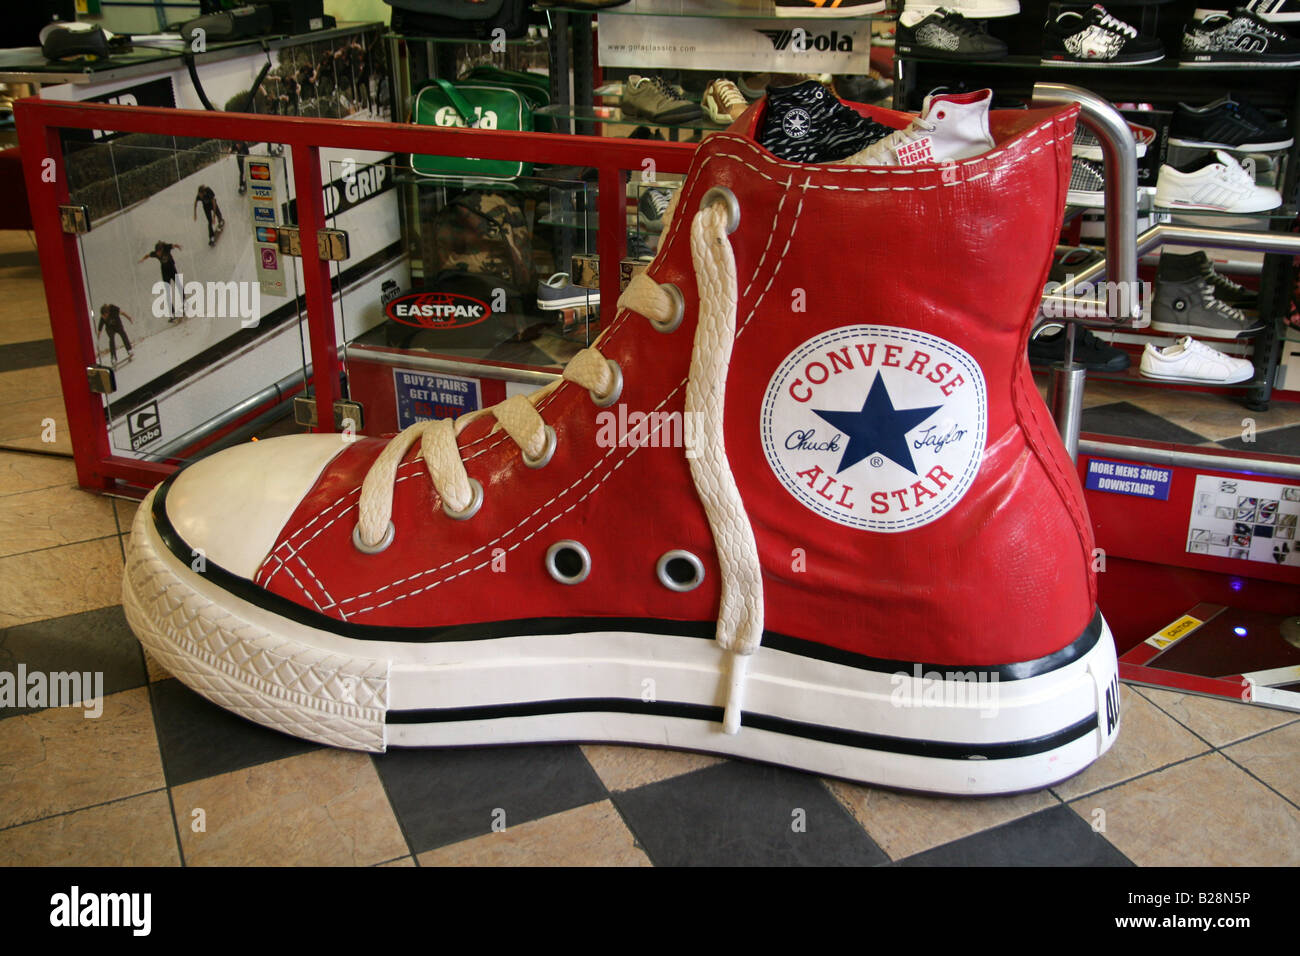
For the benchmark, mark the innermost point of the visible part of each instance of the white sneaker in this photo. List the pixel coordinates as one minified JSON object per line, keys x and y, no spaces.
{"x":970,"y":9}
{"x":1221,"y":184}
{"x":1188,"y":360}
{"x":951,"y":126}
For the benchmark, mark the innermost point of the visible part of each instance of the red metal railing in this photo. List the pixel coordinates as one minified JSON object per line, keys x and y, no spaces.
{"x":39,"y":122}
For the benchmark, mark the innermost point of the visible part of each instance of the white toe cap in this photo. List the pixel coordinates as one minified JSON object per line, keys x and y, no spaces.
{"x":234,"y":504}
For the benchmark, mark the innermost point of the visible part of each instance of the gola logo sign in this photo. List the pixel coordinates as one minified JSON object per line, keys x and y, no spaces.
{"x":876,"y":427}
{"x":800,"y":41}
{"x":437,"y":310}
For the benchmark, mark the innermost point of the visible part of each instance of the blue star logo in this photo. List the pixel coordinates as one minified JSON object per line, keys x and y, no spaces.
{"x":878,"y":428}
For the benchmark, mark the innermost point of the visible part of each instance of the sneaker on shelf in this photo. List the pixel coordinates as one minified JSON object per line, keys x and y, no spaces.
{"x":945,"y":35}
{"x":722,"y":102}
{"x":1275,"y":11}
{"x":1188,"y":360}
{"x":1087,"y":184}
{"x":638,"y":247}
{"x":754,"y":86}
{"x":1237,"y":37}
{"x":558,"y":292}
{"x":971,"y":9}
{"x":1217,"y":182}
{"x":654,"y":98}
{"x":1093,"y":37}
{"x":868,"y":88}
{"x":1225,"y":290}
{"x":1225,"y":124}
{"x":806,"y":123}
{"x":1185,"y":303}
{"x":1092,"y":353}
{"x":650,"y":208}
{"x":829,"y":8}
{"x":951,"y":126}
{"x":1088,"y":146}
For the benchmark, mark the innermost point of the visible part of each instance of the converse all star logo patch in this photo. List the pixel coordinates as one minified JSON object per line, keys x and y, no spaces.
{"x":797,"y":123}
{"x":876,"y":427}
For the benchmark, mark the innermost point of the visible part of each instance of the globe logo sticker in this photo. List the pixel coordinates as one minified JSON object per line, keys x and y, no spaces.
{"x":876,"y":427}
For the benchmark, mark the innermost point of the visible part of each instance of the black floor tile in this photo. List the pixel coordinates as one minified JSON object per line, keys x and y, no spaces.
{"x":745,"y":814}
{"x":1275,"y":441}
{"x":445,"y":796}
{"x":198,"y":739}
{"x":1126,"y":420}
{"x":98,"y":642}
{"x":1055,"y":837}
{"x":19,"y":355}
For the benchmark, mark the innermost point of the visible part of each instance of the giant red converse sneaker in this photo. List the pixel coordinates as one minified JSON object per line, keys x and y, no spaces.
{"x":799,"y":503}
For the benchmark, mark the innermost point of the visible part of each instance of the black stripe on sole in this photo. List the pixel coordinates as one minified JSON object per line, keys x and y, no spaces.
{"x":943,"y":750}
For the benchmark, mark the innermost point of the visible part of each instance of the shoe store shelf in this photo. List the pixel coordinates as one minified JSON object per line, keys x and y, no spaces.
{"x":713,"y":10}
{"x":1081,"y":72}
{"x":613,"y":115}
{"x":530,"y":43}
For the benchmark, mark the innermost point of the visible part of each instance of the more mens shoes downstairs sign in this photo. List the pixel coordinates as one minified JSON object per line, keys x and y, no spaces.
{"x":1129,"y":478}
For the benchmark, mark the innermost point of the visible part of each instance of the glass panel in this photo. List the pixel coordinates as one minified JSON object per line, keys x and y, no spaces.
{"x":189,"y":301}
{"x":459,"y":291}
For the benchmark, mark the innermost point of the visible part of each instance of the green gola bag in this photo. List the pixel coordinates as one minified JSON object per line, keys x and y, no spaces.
{"x":477,"y":106}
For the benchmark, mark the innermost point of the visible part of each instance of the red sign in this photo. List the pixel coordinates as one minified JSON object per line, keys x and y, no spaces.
{"x":437,"y":310}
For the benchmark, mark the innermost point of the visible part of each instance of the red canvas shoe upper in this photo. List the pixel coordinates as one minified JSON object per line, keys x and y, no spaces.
{"x":923,"y":282}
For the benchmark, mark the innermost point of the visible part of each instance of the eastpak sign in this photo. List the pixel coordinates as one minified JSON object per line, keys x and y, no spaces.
{"x":876,"y":427}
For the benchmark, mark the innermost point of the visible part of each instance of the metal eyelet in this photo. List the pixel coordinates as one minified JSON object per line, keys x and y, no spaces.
{"x":615,"y":390}
{"x":384,"y":542}
{"x":679,"y":309}
{"x":566,"y":551}
{"x":548,"y":449}
{"x":471,"y":509}
{"x":672,"y":578}
{"x":724,"y":195}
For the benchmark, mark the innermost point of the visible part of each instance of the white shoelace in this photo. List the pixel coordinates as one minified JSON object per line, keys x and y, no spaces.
{"x":1118,"y":26}
{"x":740,"y":611}
{"x":728,"y":95}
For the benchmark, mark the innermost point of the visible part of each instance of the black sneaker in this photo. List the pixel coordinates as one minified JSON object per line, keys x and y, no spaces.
{"x":1089,"y":351}
{"x":1238,"y":37}
{"x":1225,"y":290}
{"x":1276,"y":11}
{"x":1224,"y":124}
{"x":945,"y":35}
{"x":805,"y":123}
{"x":1093,"y":37}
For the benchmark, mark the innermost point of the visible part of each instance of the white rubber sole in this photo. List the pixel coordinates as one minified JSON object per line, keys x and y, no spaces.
{"x":1203,"y":331}
{"x":1246,"y":377}
{"x":1243,"y":148}
{"x":956,"y":733}
{"x":971,"y":11}
{"x":1100,"y":64}
{"x":571,"y":302}
{"x":830,"y":13}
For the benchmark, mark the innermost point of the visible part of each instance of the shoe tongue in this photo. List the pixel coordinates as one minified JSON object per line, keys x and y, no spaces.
{"x":1226,"y":159}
